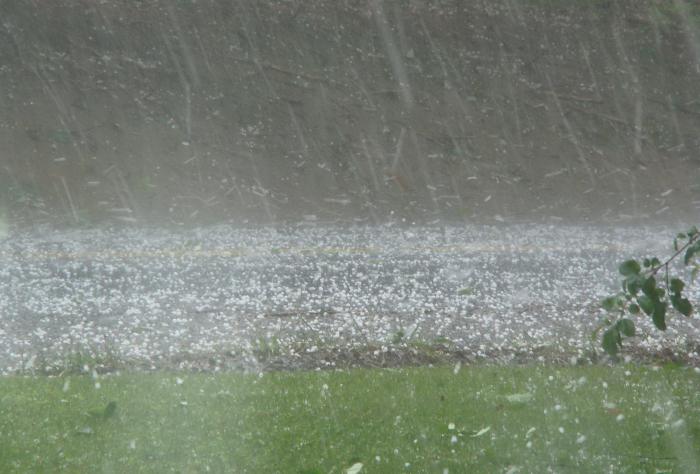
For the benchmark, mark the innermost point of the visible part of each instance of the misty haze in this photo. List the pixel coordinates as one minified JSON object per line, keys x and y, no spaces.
{"x":349,"y":236}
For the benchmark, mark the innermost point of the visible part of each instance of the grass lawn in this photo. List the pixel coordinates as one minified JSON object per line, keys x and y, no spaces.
{"x":477,"y":419}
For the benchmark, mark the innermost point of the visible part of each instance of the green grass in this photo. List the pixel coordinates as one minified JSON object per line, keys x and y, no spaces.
{"x":572,"y":419}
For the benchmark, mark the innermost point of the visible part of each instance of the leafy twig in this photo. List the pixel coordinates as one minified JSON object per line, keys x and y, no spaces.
{"x":640,"y":293}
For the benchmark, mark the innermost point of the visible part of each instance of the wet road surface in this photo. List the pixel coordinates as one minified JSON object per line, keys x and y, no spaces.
{"x":157,"y":296}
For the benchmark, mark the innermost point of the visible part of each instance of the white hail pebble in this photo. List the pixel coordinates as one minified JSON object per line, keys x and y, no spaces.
{"x":561,"y":429}
{"x":678,"y":423}
{"x":354,"y":469}
{"x":97,"y":385}
{"x":181,"y":279}
{"x":132,"y":444}
{"x":453,"y":440}
{"x":529,"y":432}
{"x":66,"y":385}
{"x":581,"y":439}
{"x":179,"y":381}
{"x":620,"y":417}
{"x":451,"y":426}
{"x":482,"y":432}
{"x":519,"y":397}
{"x":30,"y":363}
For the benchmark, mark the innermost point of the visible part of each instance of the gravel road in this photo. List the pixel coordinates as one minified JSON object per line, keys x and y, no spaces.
{"x":163,"y":298}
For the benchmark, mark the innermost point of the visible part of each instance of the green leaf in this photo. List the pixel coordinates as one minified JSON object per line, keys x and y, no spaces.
{"x":465,"y":292}
{"x":646,"y":263}
{"x":692,"y":232}
{"x":646,"y":303}
{"x":694,"y":273}
{"x":679,"y":238}
{"x":110,"y":410}
{"x":677,"y":285}
{"x":626,"y":327}
{"x":659,"y":314}
{"x":609,"y":303}
{"x":633,"y":308}
{"x":632,"y":283}
{"x":105,"y":413}
{"x":655,"y":262}
{"x":690,"y":253}
{"x":611,"y":341}
{"x":660,"y":292}
{"x":649,"y":286}
{"x":682,"y":305}
{"x":630,"y":267}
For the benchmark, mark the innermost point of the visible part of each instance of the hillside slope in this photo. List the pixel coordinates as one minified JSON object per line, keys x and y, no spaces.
{"x":271,"y":110}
